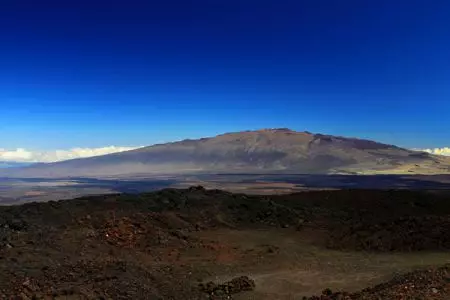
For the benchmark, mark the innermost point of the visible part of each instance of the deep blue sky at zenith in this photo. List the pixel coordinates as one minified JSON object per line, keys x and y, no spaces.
{"x":95,"y":73}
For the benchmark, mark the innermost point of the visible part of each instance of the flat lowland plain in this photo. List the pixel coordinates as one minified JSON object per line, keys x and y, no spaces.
{"x":22,"y":190}
{"x":182,"y":244}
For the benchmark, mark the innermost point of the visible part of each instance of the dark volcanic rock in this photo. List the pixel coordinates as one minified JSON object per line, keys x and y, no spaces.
{"x":410,"y":233}
{"x":142,"y":246}
{"x":424,"y":285}
{"x":234,"y":286}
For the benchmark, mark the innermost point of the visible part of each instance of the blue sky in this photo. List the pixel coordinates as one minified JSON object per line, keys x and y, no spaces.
{"x":129,"y":73}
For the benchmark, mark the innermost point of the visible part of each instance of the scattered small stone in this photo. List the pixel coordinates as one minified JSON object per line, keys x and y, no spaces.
{"x":234,"y":286}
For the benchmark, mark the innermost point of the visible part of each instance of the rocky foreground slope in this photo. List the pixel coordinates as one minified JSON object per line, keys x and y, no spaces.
{"x":153,"y":246}
{"x":261,"y":151}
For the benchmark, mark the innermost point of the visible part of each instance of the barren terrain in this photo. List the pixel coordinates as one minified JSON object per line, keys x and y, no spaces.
{"x":16,"y":191}
{"x":210,"y":244}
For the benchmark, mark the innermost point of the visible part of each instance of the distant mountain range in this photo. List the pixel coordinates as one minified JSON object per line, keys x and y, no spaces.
{"x":261,"y":151}
{"x":13,"y":164}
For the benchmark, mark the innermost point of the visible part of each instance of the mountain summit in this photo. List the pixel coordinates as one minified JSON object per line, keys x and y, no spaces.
{"x":278,"y":150}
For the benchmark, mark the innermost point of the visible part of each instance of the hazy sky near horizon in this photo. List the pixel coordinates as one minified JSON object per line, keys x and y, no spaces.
{"x":90,"y":74}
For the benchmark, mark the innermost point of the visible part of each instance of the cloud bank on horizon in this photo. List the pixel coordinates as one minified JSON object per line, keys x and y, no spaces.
{"x":24,"y":155}
{"x":438,"y":151}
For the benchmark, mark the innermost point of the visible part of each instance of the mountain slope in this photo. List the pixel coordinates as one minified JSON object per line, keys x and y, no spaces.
{"x":268,"y":150}
{"x":13,"y":164}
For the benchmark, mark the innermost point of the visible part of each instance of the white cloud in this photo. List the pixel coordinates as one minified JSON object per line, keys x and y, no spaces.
{"x":23,"y":155}
{"x":438,"y":151}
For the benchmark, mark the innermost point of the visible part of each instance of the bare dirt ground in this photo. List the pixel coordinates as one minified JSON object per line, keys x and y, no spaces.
{"x":210,"y":244}
{"x":290,"y":266}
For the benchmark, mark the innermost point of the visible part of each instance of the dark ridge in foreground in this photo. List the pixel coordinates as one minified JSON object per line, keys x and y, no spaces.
{"x":150,"y":246}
